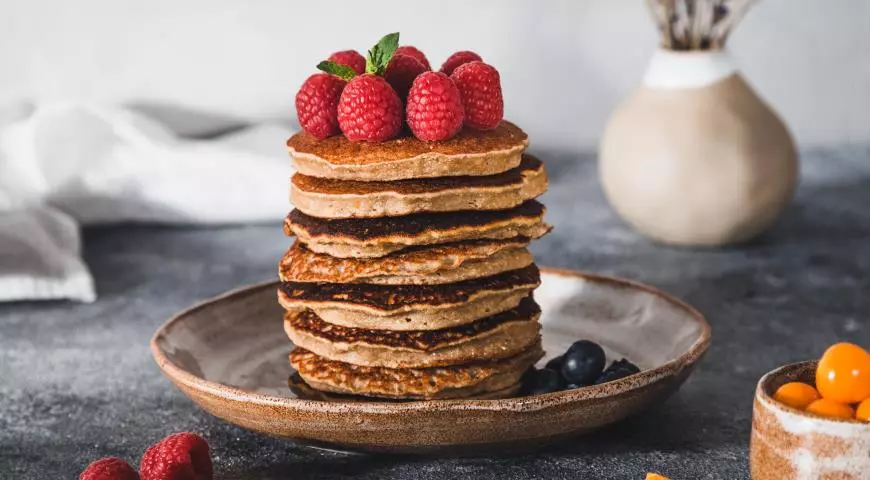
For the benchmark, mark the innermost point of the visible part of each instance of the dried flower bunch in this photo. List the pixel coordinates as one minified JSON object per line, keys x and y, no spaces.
{"x":697,"y":24}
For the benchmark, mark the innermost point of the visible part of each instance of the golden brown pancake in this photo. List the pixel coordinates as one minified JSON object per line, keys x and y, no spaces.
{"x":410,"y":307}
{"x":498,"y":336}
{"x":426,"y":265}
{"x":376,"y":237}
{"x":304,"y":391}
{"x":329,"y":198}
{"x":458,"y":381}
{"x":471,"y":152}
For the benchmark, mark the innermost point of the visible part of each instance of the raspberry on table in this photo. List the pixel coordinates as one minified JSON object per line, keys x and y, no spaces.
{"x":369,"y":109}
{"x":434,"y":107}
{"x":415,"y":53}
{"x":109,"y":468}
{"x":480,"y":87}
{"x":401,"y":72}
{"x":459,"y":58}
{"x":350,"y":58}
{"x":180,"y":456}
{"x":317,"y":104}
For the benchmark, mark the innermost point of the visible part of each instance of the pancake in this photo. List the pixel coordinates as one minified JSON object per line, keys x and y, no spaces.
{"x":415,"y":266}
{"x":304,"y":391}
{"x":376,"y":237}
{"x":471,"y":152}
{"x":410,"y":307}
{"x":329,"y":198}
{"x":499,"y":336}
{"x":458,"y":381}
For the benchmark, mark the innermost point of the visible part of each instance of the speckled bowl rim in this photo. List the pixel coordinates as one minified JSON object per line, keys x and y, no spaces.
{"x":515,"y":404}
{"x":767,"y":400}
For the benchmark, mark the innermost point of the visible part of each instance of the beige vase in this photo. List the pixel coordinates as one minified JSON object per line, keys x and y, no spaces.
{"x":694,"y":156}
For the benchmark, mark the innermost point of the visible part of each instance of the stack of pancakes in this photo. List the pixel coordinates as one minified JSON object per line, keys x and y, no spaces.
{"x":410,"y":276}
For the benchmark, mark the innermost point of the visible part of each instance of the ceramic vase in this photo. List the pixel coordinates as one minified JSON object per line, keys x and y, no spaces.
{"x":694,"y":156}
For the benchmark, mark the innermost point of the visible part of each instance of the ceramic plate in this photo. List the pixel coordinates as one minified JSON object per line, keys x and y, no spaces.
{"x":229,"y":355}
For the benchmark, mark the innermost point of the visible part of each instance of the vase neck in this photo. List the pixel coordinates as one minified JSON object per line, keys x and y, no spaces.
{"x":691,"y":69}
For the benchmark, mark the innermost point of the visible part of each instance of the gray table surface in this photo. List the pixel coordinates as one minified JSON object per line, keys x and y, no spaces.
{"x":77,"y":382}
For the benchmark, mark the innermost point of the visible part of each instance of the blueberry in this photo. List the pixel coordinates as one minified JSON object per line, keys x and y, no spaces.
{"x":555,"y":363}
{"x":583,"y":362}
{"x":541,"y":381}
{"x":611,"y":375}
{"x":624,"y":364}
{"x":616,"y":370}
{"x":572,"y":386}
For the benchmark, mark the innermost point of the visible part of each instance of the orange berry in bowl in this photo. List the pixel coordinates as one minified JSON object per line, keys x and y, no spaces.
{"x":797,"y":395}
{"x":863,"y":411}
{"x":828,"y":408}
{"x":655,"y":476}
{"x":843,"y":374}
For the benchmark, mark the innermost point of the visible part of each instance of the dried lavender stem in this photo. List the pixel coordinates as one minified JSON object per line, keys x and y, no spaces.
{"x":696,"y":24}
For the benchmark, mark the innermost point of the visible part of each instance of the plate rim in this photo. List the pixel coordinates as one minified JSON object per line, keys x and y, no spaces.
{"x":177,"y":374}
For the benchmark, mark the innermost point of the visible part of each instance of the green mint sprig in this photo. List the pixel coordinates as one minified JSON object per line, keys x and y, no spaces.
{"x":378,"y":58}
{"x":341,"y":71}
{"x":381,"y":54}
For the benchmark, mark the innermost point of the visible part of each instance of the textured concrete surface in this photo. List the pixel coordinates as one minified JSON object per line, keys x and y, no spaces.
{"x":77,"y":382}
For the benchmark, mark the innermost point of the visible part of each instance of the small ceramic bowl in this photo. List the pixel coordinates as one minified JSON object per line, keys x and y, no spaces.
{"x":791,"y":444}
{"x":229,"y":355}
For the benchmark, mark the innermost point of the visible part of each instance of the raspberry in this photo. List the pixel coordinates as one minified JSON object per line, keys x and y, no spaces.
{"x":369,"y":109}
{"x":351,"y":58}
{"x":317,"y":104}
{"x":401,"y":72}
{"x":434,"y":107}
{"x":180,"y":456}
{"x":480,"y":87}
{"x":457,"y":59}
{"x":414,"y":52}
{"x":109,"y":468}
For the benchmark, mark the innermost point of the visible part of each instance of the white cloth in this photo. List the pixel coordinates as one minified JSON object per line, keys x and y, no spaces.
{"x":65,"y":164}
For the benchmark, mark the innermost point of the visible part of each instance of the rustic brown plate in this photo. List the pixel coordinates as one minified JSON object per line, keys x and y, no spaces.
{"x":229,"y":354}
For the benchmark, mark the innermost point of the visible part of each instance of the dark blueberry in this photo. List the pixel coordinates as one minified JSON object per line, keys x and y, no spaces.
{"x":616,"y":370}
{"x":572,"y":386}
{"x":583,"y":362}
{"x":555,"y":363}
{"x":611,"y":375}
{"x":542,"y":381}
{"x":624,"y":364}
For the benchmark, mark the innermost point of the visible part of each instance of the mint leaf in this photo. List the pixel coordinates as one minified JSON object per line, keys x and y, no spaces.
{"x":381,"y":54}
{"x":341,"y":71}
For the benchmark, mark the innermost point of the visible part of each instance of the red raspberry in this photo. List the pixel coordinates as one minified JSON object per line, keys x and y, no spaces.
{"x":401,"y":72}
{"x":458,"y":59}
{"x":480,"y":87}
{"x":434,"y":107}
{"x":180,"y":456}
{"x":369,"y":109}
{"x":413,"y":52}
{"x":317,"y":104}
{"x":351,"y":58}
{"x":109,"y":468}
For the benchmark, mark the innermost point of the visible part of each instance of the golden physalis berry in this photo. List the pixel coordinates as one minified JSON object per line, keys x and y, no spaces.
{"x":863,"y":412}
{"x":828,"y":408}
{"x":655,"y":476}
{"x":796,"y":395}
{"x":843,"y":374}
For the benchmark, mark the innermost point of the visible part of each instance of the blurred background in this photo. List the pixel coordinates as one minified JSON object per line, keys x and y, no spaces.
{"x":565,"y":64}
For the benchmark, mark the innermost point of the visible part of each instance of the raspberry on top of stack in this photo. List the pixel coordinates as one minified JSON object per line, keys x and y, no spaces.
{"x":410,"y":277}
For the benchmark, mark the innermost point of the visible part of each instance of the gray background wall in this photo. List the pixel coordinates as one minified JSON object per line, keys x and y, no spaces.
{"x":565,"y":64}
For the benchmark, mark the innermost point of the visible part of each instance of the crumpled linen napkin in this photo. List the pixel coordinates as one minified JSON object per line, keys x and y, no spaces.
{"x":64,"y":165}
